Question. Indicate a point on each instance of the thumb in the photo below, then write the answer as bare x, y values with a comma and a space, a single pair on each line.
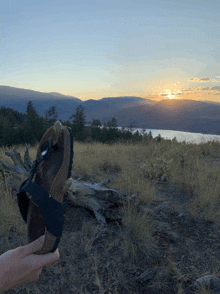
34, 246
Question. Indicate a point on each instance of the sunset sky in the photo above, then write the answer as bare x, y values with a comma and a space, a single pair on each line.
92, 49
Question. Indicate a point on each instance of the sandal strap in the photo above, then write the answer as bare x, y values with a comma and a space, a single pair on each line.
53, 211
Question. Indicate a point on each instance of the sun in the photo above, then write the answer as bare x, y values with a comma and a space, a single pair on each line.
171, 91
170, 94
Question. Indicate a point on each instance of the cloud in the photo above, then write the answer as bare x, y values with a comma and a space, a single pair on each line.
203, 80
209, 89
217, 88
197, 90
203, 88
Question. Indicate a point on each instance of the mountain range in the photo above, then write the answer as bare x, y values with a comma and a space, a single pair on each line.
169, 114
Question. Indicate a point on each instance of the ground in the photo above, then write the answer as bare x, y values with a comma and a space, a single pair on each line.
92, 258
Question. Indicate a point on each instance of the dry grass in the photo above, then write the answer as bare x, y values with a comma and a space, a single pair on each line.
131, 168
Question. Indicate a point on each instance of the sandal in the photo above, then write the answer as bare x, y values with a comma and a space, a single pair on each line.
42, 202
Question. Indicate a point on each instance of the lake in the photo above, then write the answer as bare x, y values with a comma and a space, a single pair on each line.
188, 137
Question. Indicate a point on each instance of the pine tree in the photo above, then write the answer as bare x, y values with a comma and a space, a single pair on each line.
10, 126
34, 125
51, 116
78, 124
95, 129
112, 132
112, 124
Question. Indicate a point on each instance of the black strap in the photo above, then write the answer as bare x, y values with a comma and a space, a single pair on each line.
53, 211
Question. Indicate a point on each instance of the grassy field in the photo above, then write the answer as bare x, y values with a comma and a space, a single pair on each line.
160, 171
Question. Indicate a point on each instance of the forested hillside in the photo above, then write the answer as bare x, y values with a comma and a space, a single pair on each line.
18, 129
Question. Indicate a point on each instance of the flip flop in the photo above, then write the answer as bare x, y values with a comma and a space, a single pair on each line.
42, 202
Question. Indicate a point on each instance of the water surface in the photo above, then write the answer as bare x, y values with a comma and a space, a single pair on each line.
188, 137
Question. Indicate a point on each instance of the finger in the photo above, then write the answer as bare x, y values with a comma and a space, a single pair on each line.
33, 246
48, 259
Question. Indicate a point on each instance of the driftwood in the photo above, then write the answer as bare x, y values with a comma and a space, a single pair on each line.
99, 199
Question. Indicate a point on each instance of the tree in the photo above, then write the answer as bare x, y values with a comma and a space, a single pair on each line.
143, 131
34, 126
136, 136
112, 124
95, 129
51, 116
7, 131
11, 127
111, 132
149, 136
158, 138
96, 123
78, 124
131, 125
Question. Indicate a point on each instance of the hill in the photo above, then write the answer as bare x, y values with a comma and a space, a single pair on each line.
17, 99
183, 115
176, 114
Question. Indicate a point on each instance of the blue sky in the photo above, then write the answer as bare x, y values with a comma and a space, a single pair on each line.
95, 49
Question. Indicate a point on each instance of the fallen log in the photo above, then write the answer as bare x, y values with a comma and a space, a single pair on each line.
96, 197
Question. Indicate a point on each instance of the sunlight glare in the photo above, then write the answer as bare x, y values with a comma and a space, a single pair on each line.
170, 95
171, 91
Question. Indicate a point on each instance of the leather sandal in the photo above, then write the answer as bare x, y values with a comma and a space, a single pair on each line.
42, 201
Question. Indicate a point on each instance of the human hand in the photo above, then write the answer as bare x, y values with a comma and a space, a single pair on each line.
20, 266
